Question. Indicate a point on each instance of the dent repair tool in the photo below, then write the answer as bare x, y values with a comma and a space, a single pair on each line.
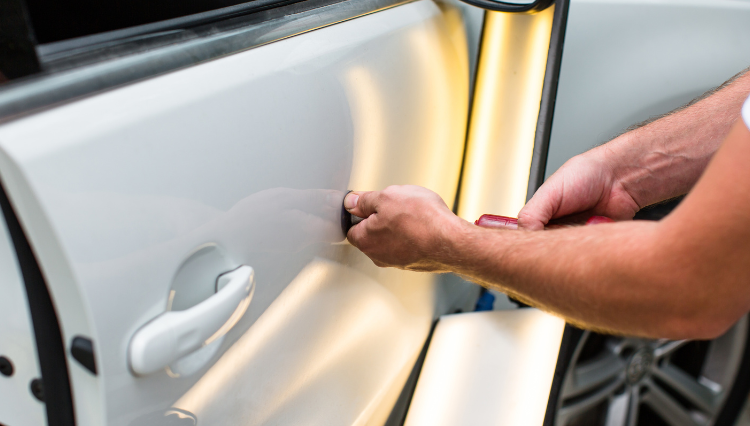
505, 222
347, 219
495, 221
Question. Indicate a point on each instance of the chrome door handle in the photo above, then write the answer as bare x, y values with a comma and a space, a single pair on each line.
172, 335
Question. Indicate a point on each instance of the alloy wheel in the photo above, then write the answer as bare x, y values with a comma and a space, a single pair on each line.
616, 381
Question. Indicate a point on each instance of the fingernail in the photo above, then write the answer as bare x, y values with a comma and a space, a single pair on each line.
350, 201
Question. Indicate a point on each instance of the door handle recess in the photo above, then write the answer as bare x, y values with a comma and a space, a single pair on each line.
172, 335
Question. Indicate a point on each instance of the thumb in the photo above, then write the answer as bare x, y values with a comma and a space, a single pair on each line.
536, 213
362, 204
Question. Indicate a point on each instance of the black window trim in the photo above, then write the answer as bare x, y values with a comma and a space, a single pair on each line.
51, 50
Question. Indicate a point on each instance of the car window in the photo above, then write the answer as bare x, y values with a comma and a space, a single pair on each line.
40, 75
54, 20
36, 34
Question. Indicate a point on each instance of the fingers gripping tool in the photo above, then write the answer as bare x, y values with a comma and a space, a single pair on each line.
347, 219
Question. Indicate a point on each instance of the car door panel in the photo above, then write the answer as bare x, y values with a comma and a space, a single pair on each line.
252, 152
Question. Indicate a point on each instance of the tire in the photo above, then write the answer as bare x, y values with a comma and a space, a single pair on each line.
620, 381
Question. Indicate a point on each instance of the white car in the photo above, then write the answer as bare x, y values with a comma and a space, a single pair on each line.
172, 175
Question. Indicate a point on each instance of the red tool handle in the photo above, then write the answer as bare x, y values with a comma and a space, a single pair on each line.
505, 222
494, 221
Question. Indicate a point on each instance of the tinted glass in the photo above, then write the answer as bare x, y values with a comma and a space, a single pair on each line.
56, 20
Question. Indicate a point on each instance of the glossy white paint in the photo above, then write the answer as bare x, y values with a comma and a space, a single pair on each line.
627, 60
17, 405
251, 152
473, 22
488, 368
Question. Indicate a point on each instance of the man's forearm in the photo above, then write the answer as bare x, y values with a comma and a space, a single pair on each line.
580, 273
678, 146
613, 277
682, 277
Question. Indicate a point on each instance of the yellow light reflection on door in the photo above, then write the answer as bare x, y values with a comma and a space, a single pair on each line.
508, 93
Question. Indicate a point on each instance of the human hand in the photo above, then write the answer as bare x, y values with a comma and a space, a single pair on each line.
404, 227
585, 186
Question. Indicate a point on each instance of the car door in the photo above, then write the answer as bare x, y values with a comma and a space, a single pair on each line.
145, 159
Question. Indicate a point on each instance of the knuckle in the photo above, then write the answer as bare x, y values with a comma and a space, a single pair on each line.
354, 236
525, 215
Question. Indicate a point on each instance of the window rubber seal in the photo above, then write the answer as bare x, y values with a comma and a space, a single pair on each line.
549, 97
49, 342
